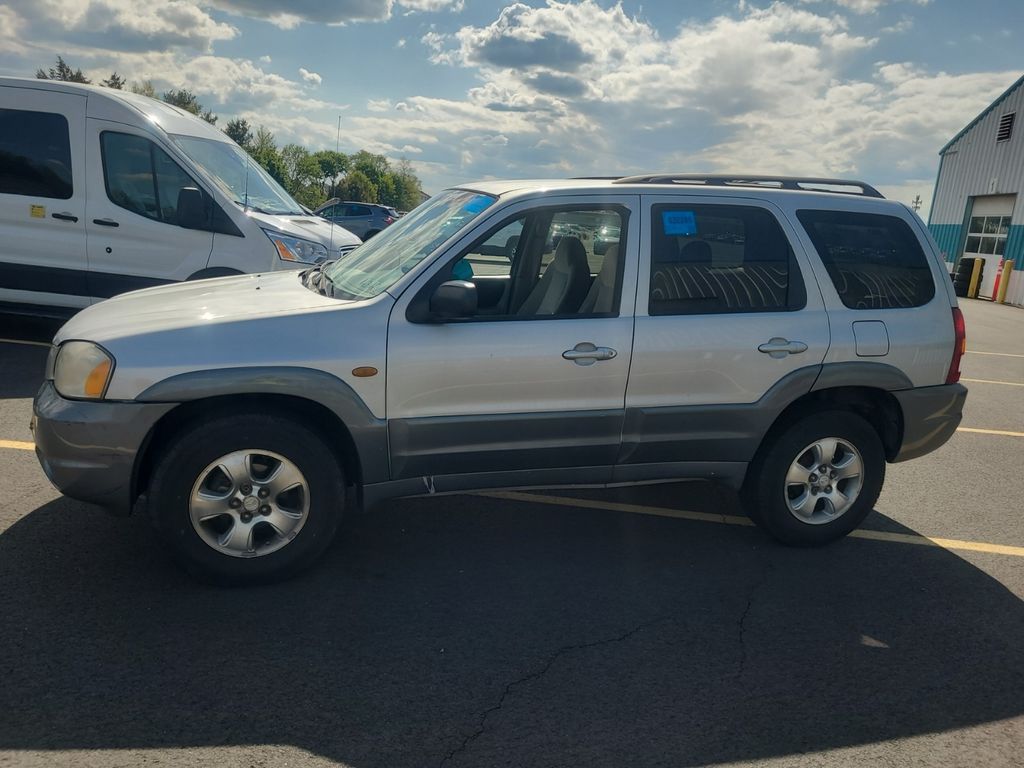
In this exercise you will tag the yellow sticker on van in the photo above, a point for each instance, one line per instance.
(37, 211)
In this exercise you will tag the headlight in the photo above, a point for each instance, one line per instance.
(296, 250)
(82, 370)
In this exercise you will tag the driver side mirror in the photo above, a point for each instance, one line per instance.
(192, 209)
(454, 299)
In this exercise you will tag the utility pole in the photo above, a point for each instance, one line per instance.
(916, 203)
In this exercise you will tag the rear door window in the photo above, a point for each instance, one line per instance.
(712, 259)
(35, 154)
(875, 261)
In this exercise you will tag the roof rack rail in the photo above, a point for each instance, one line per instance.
(799, 183)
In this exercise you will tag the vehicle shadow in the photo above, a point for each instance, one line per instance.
(463, 630)
(23, 368)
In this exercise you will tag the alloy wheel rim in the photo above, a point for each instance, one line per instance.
(249, 503)
(824, 481)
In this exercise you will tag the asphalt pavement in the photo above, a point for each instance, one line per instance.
(630, 627)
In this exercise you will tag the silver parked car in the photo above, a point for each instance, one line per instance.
(364, 220)
(776, 335)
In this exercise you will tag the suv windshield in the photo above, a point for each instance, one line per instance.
(242, 179)
(377, 264)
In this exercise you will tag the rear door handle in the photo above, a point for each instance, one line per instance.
(586, 353)
(779, 347)
(64, 216)
(106, 222)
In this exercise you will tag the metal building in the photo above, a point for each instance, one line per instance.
(978, 205)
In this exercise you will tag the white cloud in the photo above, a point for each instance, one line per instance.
(123, 24)
(577, 87)
(266, 59)
(378, 105)
(867, 6)
(295, 12)
(312, 78)
(455, 6)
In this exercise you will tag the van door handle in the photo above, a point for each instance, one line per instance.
(586, 353)
(106, 222)
(64, 216)
(779, 347)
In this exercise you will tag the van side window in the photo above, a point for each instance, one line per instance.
(141, 177)
(35, 154)
(713, 259)
(874, 261)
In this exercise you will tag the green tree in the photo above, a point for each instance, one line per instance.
(302, 175)
(407, 186)
(263, 150)
(185, 99)
(332, 166)
(62, 71)
(357, 186)
(374, 167)
(114, 81)
(238, 131)
(144, 88)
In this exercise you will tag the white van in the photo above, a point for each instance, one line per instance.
(103, 191)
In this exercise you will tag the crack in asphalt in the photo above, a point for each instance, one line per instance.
(482, 720)
(742, 623)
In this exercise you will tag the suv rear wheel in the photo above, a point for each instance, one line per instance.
(817, 479)
(247, 498)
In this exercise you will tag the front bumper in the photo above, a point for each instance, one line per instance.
(930, 417)
(87, 448)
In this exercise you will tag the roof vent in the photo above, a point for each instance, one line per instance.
(1005, 126)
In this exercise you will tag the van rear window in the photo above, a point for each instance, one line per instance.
(875, 261)
(35, 154)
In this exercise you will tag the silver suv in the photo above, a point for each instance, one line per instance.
(364, 220)
(786, 337)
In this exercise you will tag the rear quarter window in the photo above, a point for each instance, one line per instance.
(35, 154)
(875, 261)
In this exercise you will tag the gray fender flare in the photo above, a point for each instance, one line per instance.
(368, 432)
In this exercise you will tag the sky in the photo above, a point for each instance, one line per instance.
(471, 89)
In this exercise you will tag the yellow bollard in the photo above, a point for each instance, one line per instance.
(1004, 281)
(972, 289)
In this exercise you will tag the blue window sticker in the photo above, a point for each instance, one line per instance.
(679, 222)
(477, 204)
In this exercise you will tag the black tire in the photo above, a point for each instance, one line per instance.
(764, 491)
(188, 454)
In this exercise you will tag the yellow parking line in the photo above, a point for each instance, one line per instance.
(705, 517)
(26, 343)
(18, 445)
(992, 381)
(997, 354)
(1004, 432)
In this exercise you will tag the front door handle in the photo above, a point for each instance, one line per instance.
(106, 222)
(586, 353)
(64, 217)
(779, 347)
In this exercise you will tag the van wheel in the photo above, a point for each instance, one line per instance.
(247, 498)
(816, 480)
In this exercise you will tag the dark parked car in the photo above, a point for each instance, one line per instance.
(364, 220)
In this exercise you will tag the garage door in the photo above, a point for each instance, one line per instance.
(986, 234)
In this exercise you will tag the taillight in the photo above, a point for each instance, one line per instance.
(959, 346)
(388, 220)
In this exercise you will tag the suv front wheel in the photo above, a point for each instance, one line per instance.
(817, 479)
(247, 498)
